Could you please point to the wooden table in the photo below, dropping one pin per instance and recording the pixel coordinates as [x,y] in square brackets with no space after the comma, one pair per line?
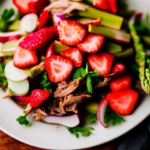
[8,143]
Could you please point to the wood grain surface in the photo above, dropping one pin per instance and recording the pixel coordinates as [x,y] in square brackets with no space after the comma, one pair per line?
[8,143]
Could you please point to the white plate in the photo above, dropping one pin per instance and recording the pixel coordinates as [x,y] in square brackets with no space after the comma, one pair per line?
[48,136]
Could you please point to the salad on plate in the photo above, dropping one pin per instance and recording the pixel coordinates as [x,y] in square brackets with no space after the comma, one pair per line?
[71,61]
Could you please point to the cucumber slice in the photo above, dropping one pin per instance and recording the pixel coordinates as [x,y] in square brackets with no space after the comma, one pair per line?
[14,74]
[18,88]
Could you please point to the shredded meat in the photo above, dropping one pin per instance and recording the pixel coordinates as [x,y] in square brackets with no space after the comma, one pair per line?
[38,114]
[78,99]
[60,110]
[66,100]
[53,105]
[65,7]
[101,84]
[71,108]
[27,110]
[65,89]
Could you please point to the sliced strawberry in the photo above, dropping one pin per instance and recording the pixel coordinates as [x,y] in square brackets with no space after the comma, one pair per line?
[91,43]
[39,40]
[37,6]
[123,101]
[22,5]
[120,83]
[22,99]
[118,67]
[24,57]
[107,5]
[43,20]
[58,68]
[37,97]
[101,62]
[70,32]
[74,54]
[50,50]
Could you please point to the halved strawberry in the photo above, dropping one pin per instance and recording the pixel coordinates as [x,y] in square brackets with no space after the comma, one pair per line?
[123,101]
[70,32]
[118,67]
[24,57]
[58,68]
[37,6]
[50,50]
[91,43]
[101,62]
[43,20]
[120,83]
[74,54]
[37,97]
[107,5]
[22,5]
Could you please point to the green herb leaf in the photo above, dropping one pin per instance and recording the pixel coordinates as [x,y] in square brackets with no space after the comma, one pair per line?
[89,84]
[94,73]
[112,116]
[92,118]
[87,68]
[7,13]
[77,74]
[85,131]
[23,121]
[98,79]
[83,72]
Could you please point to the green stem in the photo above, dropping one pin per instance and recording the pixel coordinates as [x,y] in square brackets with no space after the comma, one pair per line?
[109,20]
[126,53]
[59,47]
[111,47]
[110,33]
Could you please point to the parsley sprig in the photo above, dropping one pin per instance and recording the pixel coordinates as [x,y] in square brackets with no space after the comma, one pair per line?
[89,75]
[23,121]
[92,118]
[85,131]
[46,84]
[112,116]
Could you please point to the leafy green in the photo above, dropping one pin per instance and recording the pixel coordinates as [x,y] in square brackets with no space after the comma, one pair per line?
[3,81]
[46,84]
[92,118]
[7,13]
[89,84]
[94,73]
[111,116]
[23,121]
[85,131]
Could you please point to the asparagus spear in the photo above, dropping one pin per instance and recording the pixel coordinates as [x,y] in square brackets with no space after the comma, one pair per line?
[140,58]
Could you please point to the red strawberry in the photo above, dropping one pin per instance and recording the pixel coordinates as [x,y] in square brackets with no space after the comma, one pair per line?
[101,62]
[37,6]
[107,5]
[22,5]
[37,97]
[43,20]
[70,32]
[4,39]
[22,99]
[120,83]
[91,43]
[24,57]
[50,50]
[39,40]
[58,68]
[74,54]
[123,101]
[118,67]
